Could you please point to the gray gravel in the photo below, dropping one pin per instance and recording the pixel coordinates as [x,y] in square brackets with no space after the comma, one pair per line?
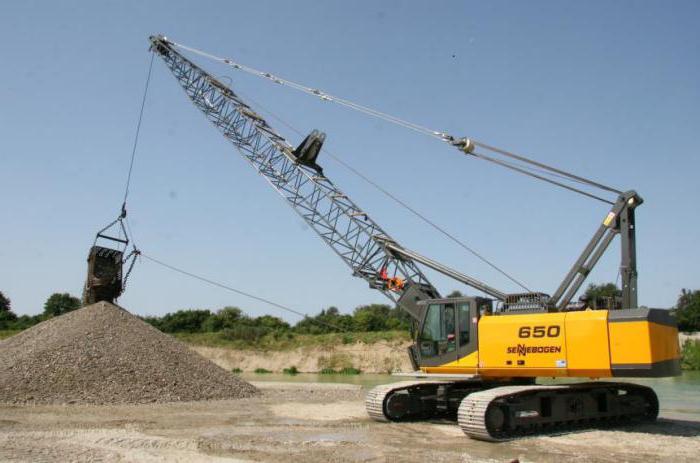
[101,354]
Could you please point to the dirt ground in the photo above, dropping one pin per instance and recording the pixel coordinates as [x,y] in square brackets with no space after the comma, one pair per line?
[303,422]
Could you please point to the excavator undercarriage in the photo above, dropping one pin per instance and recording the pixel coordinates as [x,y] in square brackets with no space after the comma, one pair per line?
[492,411]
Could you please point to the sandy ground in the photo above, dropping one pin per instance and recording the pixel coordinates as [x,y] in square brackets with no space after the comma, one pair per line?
[303,422]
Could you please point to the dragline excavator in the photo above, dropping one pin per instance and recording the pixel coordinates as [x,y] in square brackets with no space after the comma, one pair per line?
[476,358]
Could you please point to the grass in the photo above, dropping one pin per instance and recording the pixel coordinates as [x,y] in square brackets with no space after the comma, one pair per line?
[262,371]
[284,343]
[690,355]
[342,371]
[7,333]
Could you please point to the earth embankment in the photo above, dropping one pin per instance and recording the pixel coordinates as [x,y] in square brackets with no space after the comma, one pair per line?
[380,357]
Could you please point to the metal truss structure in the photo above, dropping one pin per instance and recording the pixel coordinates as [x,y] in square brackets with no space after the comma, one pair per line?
[346,228]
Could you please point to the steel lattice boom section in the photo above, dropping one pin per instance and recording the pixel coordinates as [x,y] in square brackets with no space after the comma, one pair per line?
[348,230]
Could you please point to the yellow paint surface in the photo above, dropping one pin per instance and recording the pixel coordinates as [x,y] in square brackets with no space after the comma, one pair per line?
[576,344]
[642,342]
[587,345]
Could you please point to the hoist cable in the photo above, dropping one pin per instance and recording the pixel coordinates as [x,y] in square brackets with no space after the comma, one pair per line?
[401,122]
[123,220]
[238,291]
[430,223]
[138,131]
[394,198]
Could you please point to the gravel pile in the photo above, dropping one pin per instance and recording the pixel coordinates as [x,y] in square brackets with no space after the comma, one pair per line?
[101,354]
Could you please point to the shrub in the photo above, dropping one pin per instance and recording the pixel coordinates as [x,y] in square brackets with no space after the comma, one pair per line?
[243,333]
[690,355]
[342,371]
[236,370]
[23,322]
[262,371]
[687,310]
[291,371]
[60,303]
[182,321]
[371,317]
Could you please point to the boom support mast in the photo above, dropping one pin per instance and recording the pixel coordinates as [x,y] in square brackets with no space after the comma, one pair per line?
[620,220]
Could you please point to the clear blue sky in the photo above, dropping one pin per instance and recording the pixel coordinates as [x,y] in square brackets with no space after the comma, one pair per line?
[609,90]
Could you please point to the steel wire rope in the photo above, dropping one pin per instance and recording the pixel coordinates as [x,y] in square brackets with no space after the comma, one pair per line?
[524,171]
[394,198]
[410,125]
[138,130]
[135,253]
[315,92]
[238,291]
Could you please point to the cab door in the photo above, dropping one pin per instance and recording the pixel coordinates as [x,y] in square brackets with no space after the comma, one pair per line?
[438,339]
[467,324]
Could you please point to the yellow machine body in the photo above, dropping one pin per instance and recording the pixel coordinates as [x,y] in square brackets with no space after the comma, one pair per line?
[590,343]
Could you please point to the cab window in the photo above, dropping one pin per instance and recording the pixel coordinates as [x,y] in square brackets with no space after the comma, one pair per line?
[450,327]
[439,334]
[464,322]
[431,327]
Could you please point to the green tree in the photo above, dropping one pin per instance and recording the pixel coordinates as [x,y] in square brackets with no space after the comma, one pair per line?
[156,322]
[455,293]
[398,319]
[372,317]
[271,323]
[690,355]
[184,321]
[687,310]
[228,317]
[25,321]
[329,320]
[7,317]
[602,290]
[231,315]
[60,303]
[5,304]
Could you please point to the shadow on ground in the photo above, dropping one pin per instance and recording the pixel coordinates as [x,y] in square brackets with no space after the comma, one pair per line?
[667,427]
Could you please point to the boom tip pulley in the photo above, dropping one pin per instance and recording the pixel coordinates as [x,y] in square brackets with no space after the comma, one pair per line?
[463,144]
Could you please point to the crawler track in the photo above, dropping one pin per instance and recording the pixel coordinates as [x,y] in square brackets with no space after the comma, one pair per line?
[402,400]
[504,413]
[489,412]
